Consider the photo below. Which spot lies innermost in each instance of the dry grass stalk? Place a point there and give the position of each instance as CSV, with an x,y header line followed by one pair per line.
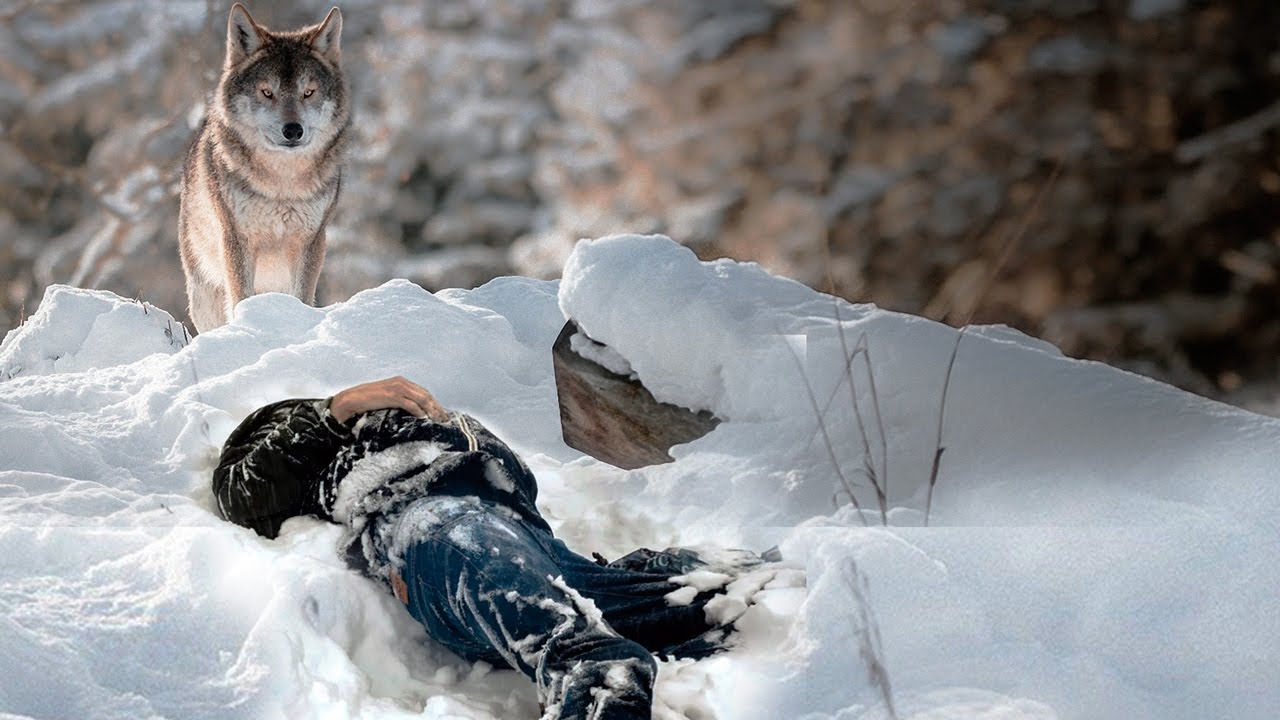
x,y
845,483
1002,259
867,632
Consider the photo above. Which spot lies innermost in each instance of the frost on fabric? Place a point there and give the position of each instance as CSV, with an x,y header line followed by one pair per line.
x,y
466,604
413,524
729,605
573,619
422,517
582,605
375,469
682,596
463,535
496,475
693,583
624,680
703,580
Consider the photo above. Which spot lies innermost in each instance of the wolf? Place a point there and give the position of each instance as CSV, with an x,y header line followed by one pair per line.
x,y
262,176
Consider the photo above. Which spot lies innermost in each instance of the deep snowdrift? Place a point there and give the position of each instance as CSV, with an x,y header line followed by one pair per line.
x,y
1109,551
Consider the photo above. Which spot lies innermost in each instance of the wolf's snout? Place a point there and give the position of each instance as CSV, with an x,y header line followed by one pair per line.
x,y
292,131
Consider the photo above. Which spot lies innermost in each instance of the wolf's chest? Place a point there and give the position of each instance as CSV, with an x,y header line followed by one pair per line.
x,y
269,222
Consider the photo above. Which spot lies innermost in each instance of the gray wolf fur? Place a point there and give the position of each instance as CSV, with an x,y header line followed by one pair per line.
x,y
263,174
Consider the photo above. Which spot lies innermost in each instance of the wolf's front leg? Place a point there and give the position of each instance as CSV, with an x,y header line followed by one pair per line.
x,y
239,271
312,262
207,303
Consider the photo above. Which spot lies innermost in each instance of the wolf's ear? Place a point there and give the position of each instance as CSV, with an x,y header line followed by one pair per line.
x,y
325,39
243,35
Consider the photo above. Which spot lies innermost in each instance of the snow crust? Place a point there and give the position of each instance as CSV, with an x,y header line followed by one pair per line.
x,y
1104,546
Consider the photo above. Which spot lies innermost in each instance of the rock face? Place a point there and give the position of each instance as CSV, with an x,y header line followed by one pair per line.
x,y
616,419
891,151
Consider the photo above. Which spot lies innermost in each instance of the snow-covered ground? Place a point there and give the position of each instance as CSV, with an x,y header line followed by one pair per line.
x,y
1103,546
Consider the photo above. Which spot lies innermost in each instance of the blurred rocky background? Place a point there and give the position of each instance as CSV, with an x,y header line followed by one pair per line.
x,y
1101,173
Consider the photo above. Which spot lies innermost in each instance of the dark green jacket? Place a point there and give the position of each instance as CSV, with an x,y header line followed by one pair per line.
x,y
294,458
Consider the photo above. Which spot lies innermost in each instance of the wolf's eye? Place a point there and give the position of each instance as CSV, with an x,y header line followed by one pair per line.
x,y
308,92
266,93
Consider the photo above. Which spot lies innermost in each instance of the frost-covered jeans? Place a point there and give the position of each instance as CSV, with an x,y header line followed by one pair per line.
x,y
491,587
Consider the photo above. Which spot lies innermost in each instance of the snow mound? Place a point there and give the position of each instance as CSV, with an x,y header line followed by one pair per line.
x,y
1102,544
1030,436
77,330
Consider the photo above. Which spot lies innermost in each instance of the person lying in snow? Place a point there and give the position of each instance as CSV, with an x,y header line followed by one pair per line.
x,y
442,512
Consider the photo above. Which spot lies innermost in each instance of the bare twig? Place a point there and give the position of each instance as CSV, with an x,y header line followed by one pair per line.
x,y
868,469
822,427
879,479
1237,133
938,447
882,488
867,632
1001,260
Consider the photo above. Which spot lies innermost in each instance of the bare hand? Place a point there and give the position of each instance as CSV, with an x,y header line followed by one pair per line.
x,y
395,392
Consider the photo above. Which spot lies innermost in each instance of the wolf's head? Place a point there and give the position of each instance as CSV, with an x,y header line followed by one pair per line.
x,y
283,91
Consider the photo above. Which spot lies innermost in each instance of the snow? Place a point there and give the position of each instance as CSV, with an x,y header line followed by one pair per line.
x,y
1101,545
374,468
602,355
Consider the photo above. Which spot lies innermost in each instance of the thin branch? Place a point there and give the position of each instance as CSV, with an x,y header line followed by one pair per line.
x,y
881,489
822,426
1237,133
868,468
867,632
1001,260
938,447
861,348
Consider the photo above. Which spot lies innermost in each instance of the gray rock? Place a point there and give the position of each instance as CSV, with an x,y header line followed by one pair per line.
x,y
965,204
1068,55
1055,8
1151,9
712,37
961,39
857,186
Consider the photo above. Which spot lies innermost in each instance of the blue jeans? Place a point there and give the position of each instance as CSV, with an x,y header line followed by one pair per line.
x,y
491,587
